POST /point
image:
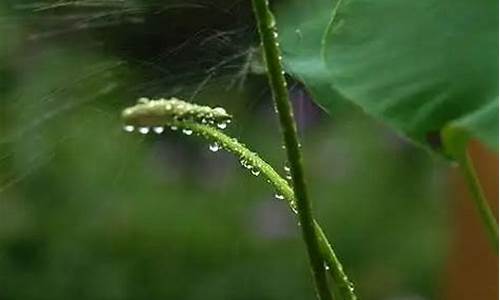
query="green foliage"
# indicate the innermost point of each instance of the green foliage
(97, 213)
(420, 66)
(88, 212)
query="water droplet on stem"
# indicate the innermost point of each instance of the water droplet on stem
(143, 130)
(214, 147)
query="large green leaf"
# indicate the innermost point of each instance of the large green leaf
(420, 66)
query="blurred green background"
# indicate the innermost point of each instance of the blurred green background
(90, 212)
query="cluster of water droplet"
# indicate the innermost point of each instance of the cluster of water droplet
(167, 112)
(247, 164)
(288, 175)
(156, 115)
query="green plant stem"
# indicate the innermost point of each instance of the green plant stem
(342, 282)
(479, 199)
(268, 34)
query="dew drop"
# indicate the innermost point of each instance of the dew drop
(350, 285)
(222, 125)
(327, 267)
(187, 131)
(272, 21)
(128, 128)
(279, 196)
(174, 128)
(244, 163)
(219, 110)
(288, 176)
(158, 129)
(255, 171)
(214, 147)
(143, 130)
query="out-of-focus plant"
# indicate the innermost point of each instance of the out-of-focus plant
(429, 69)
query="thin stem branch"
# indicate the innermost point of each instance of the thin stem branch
(200, 120)
(479, 199)
(268, 34)
(342, 282)
(253, 160)
(455, 144)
